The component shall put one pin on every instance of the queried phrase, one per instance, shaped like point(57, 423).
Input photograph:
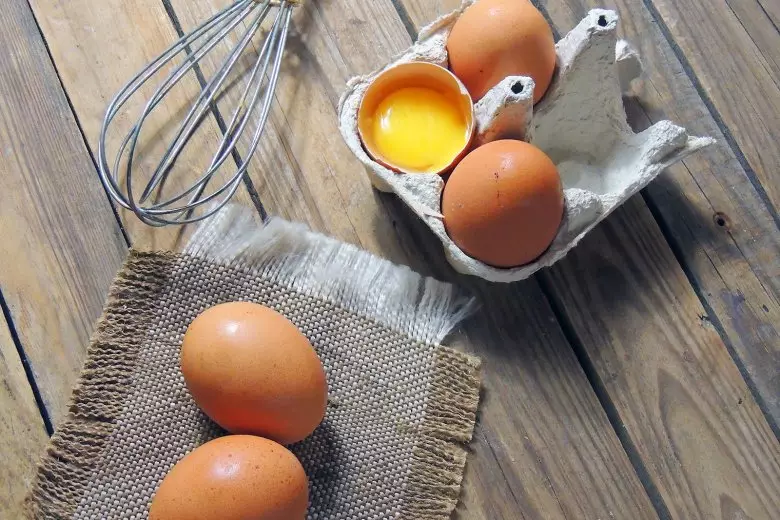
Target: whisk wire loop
point(200, 108)
point(231, 134)
point(132, 87)
point(152, 207)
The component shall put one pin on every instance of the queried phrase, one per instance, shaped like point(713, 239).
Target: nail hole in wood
point(602, 21)
point(720, 219)
point(517, 87)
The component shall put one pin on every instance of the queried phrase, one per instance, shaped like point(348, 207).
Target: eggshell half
point(416, 74)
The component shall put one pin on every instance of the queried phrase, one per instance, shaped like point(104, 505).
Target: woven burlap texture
point(392, 444)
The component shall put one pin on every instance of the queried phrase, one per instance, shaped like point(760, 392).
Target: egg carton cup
point(580, 123)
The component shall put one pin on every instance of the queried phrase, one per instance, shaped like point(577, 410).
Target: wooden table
point(638, 378)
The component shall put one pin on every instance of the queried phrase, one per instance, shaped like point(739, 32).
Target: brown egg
point(503, 204)
point(494, 39)
point(238, 477)
point(252, 371)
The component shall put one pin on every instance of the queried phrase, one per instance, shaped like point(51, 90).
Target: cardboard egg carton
point(580, 123)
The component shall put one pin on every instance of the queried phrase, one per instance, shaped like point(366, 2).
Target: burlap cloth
point(401, 406)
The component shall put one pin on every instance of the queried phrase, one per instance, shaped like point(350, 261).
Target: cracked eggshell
point(580, 124)
point(415, 74)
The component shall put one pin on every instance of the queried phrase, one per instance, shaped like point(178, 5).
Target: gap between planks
point(110, 68)
point(712, 315)
point(119, 222)
point(14, 338)
point(21, 428)
point(247, 180)
point(605, 400)
point(735, 72)
point(52, 213)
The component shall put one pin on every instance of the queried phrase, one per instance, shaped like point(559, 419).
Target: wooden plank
point(762, 29)
point(342, 9)
point(559, 413)
point(59, 240)
point(701, 436)
point(21, 428)
point(95, 59)
point(585, 418)
point(734, 265)
point(772, 9)
point(646, 316)
point(716, 220)
point(736, 75)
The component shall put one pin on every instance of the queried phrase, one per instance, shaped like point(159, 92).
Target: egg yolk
point(419, 129)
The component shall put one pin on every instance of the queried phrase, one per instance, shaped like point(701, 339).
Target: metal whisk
point(192, 204)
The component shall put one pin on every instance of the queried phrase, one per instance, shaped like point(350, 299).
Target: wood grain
point(644, 316)
point(721, 52)
point(95, 58)
point(59, 239)
point(703, 440)
point(21, 428)
point(544, 447)
point(717, 222)
point(762, 29)
point(772, 9)
point(736, 268)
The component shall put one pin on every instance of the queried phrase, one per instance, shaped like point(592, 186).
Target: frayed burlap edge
point(99, 396)
point(286, 253)
point(439, 458)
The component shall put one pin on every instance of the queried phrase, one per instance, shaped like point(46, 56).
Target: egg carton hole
point(580, 123)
